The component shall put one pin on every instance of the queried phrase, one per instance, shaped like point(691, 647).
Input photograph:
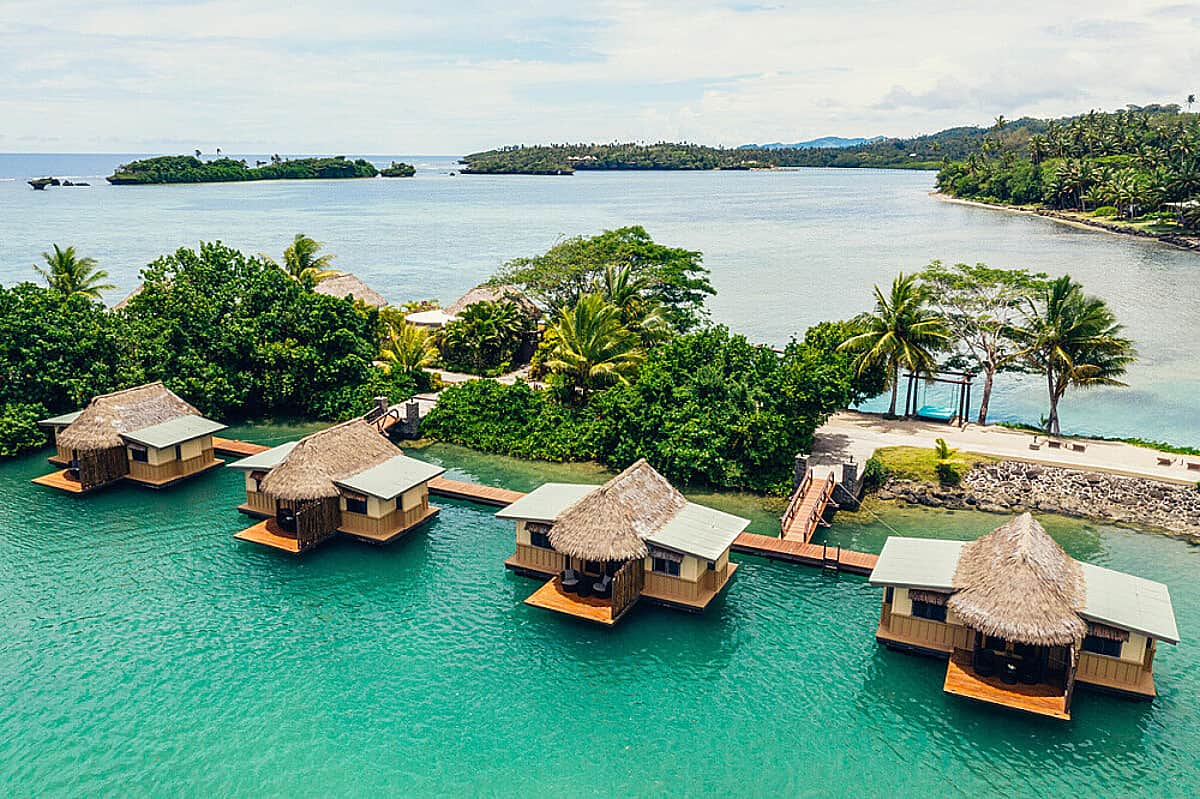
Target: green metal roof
point(57, 421)
point(700, 531)
point(266, 460)
point(1133, 603)
point(174, 431)
point(917, 563)
point(391, 478)
point(546, 502)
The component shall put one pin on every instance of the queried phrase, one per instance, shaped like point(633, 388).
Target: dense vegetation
point(233, 334)
point(187, 169)
point(398, 169)
point(1127, 164)
point(706, 407)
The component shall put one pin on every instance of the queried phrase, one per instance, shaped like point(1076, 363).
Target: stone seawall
point(1011, 487)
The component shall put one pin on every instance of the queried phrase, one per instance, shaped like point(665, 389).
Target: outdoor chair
point(603, 587)
point(1193, 466)
point(1079, 447)
point(1165, 461)
point(984, 662)
point(1030, 672)
point(570, 580)
point(1052, 444)
point(585, 586)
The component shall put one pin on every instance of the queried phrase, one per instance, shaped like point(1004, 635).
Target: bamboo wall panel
point(544, 559)
point(260, 502)
point(173, 468)
point(390, 523)
point(1111, 669)
point(933, 632)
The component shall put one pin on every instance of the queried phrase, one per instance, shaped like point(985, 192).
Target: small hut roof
point(612, 522)
point(489, 293)
point(107, 417)
point(1016, 583)
point(317, 461)
point(347, 285)
point(125, 300)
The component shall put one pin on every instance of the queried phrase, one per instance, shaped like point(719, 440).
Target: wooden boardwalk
point(61, 481)
point(473, 492)
point(819, 555)
point(1041, 699)
point(551, 596)
point(235, 448)
point(806, 510)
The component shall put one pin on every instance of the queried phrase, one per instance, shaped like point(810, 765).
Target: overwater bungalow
point(345, 479)
point(146, 435)
point(604, 548)
point(1020, 621)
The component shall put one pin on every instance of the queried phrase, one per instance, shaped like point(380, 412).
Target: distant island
point(398, 169)
point(824, 141)
point(187, 169)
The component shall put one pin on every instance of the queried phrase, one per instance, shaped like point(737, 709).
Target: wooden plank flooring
point(60, 481)
point(262, 533)
point(809, 509)
point(808, 554)
point(488, 495)
point(551, 596)
point(1041, 700)
point(235, 448)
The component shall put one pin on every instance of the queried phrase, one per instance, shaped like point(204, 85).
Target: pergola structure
point(914, 404)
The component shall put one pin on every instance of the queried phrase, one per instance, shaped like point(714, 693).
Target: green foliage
point(302, 261)
point(670, 276)
point(922, 464)
point(19, 431)
point(186, 169)
point(484, 338)
point(705, 408)
point(948, 473)
point(942, 451)
point(875, 474)
point(398, 169)
point(1105, 211)
point(589, 346)
point(406, 347)
point(70, 275)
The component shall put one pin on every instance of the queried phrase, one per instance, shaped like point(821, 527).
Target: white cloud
point(377, 77)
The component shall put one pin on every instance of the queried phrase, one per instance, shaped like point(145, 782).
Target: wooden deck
point(387, 538)
point(806, 510)
point(833, 558)
point(264, 533)
point(1041, 699)
point(473, 492)
point(60, 481)
point(551, 596)
point(235, 448)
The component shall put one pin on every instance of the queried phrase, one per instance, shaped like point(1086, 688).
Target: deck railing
point(814, 513)
point(794, 504)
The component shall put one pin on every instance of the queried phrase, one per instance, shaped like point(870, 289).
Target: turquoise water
point(145, 652)
point(786, 249)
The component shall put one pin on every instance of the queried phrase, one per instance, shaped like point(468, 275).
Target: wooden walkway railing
point(806, 510)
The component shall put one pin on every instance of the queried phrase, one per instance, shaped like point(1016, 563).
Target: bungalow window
point(1102, 646)
point(539, 535)
point(356, 503)
point(664, 566)
point(178, 452)
point(928, 610)
point(139, 455)
point(257, 477)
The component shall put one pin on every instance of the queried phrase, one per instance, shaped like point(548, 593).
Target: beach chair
point(1163, 460)
point(1077, 447)
point(1193, 466)
point(1053, 444)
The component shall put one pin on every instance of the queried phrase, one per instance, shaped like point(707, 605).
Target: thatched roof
point(335, 453)
point(347, 285)
point(129, 296)
point(107, 416)
point(489, 293)
point(1016, 583)
point(612, 522)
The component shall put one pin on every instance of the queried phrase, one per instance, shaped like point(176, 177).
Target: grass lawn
point(920, 463)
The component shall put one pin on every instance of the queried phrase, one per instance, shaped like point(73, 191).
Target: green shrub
point(874, 474)
point(1106, 211)
point(19, 431)
point(949, 473)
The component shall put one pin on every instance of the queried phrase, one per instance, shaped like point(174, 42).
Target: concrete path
point(851, 434)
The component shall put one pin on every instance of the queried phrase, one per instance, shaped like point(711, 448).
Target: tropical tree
point(485, 336)
point(302, 261)
point(902, 332)
point(408, 348)
point(1191, 99)
point(641, 312)
point(1074, 340)
point(589, 346)
point(71, 275)
point(980, 306)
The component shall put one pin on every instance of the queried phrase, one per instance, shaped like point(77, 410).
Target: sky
point(350, 77)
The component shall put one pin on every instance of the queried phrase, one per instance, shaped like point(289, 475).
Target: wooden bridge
point(806, 509)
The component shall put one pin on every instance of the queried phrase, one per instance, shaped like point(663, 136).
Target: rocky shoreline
point(1013, 487)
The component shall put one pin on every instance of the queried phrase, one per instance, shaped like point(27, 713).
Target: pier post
point(799, 470)
point(847, 493)
point(410, 425)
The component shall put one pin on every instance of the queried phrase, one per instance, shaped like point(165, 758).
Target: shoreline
point(1178, 241)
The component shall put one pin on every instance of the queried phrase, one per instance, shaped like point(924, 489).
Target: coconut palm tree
point(408, 348)
point(71, 275)
point(301, 261)
point(1074, 340)
point(640, 312)
point(483, 336)
point(902, 332)
point(588, 345)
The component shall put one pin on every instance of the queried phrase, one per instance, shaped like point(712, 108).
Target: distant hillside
point(835, 142)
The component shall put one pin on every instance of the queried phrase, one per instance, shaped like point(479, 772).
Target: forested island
point(1132, 170)
point(189, 169)
point(398, 169)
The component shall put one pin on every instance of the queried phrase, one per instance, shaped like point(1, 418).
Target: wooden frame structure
point(962, 406)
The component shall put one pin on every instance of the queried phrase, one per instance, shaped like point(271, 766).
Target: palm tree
point(640, 313)
point(484, 335)
point(1074, 340)
point(588, 344)
point(1191, 99)
point(902, 332)
point(300, 260)
point(70, 275)
point(408, 348)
